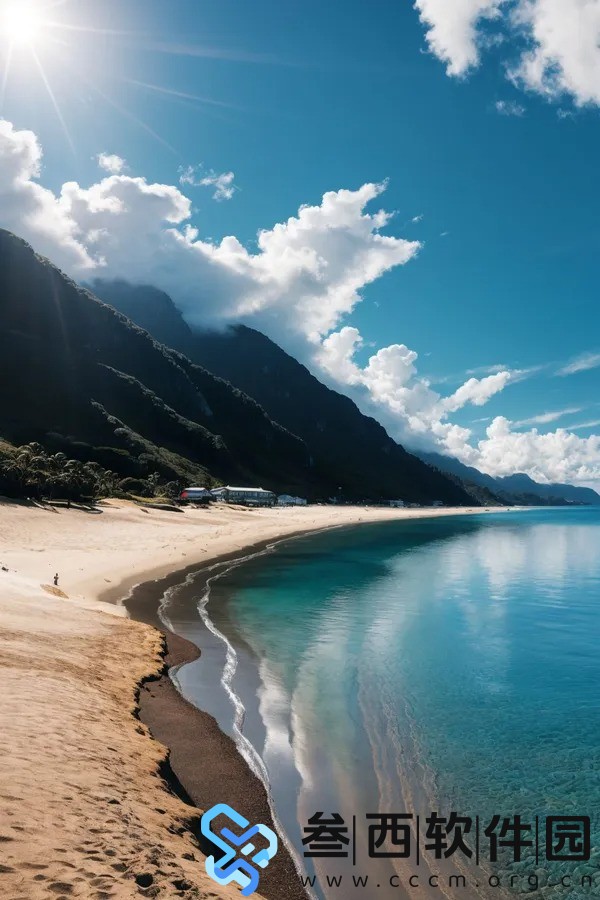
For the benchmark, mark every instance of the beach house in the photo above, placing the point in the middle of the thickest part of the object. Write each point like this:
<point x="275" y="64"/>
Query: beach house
<point x="247" y="496"/>
<point x="288" y="500"/>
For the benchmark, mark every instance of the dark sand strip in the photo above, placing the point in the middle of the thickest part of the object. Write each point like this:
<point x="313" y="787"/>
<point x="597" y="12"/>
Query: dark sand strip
<point x="204" y="761"/>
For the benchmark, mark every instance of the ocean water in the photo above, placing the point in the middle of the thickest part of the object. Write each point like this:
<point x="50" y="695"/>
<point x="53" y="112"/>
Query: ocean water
<point x="439" y="665"/>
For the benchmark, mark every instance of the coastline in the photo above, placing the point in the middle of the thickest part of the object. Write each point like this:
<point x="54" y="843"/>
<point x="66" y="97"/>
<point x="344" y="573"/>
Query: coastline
<point x="97" y="659"/>
<point x="184" y="727"/>
<point x="204" y="761"/>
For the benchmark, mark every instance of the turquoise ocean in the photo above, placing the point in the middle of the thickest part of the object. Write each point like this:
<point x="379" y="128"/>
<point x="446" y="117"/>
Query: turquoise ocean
<point x="440" y="665"/>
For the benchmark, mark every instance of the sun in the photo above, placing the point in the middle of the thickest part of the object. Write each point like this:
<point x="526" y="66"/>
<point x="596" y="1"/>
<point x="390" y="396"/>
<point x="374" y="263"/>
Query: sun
<point x="21" y="22"/>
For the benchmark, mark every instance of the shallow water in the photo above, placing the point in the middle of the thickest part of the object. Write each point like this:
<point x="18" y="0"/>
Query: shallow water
<point x="434" y="665"/>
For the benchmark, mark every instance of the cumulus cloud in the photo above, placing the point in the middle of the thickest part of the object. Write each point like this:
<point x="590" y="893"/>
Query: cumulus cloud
<point x="557" y="41"/>
<point x="31" y="210"/>
<point x="557" y="456"/>
<point x="223" y="183"/>
<point x="390" y="386"/>
<point x="581" y="363"/>
<point x="477" y="391"/>
<point x="565" y="53"/>
<point x="112" y="163"/>
<point x="299" y="284"/>
<point x="453" y="29"/>
<point x="304" y="276"/>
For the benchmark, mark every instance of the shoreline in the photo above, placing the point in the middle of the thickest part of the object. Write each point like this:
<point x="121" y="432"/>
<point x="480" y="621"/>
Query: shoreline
<point x="191" y="733"/>
<point x="348" y="518"/>
<point x="183" y="727"/>
<point x="81" y="669"/>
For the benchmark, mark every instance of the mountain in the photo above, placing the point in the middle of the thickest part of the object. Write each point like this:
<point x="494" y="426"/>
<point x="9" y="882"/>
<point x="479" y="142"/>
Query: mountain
<point x="80" y="378"/>
<point x="518" y="488"/>
<point x="350" y="452"/>
<point x="523" y="484"/>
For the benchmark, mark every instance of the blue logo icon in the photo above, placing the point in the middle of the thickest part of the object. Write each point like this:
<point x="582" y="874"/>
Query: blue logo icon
<point x="240" y="856"/>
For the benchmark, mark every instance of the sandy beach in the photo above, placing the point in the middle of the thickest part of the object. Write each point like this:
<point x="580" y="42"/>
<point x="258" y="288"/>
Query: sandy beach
<point x="87" y="807"/>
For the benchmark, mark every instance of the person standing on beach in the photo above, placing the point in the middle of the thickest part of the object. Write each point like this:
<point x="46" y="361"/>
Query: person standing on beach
<point x="56" y="580"/>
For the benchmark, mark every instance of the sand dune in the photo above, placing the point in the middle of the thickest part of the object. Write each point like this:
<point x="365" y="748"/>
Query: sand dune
<point x="84" y="810"/>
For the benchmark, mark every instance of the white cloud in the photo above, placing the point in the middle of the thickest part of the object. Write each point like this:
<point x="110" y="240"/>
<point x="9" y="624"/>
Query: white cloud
<point x="112" y="163"/>
<point x="453" y="29"/>
<point x="593" y="424"/>
<point x="305" y="275"/>
<point x="516" y="374"/>
<point x="557" y="456"/>
<point x="565" y="56"/>
<point x="390" y="387"/>
<point x="31" y="210"/>
<point x="547" y="417"/>
<point x="487" y="370"/>
<point x="477" y="391"/>
<point x="223" y="184"/>
<point x="581" y="363"/>
<point x="303" y="279"/>
<point x="416" y="219"/>
<point x="554" y="46"/>
<point x="510" y="108"/>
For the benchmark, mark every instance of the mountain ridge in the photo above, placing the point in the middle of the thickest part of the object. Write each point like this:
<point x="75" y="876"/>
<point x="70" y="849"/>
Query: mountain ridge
<point x="518" y="488"/>
<point x="81" y="378"/>
<point x="157" y="312"/>
<point x="349" y="450"/>
<point x="93" y="384"/>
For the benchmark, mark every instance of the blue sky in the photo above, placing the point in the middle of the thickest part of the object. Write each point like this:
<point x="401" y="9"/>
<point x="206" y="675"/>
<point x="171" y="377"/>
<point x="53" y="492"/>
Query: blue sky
<point x="489" y="164"/>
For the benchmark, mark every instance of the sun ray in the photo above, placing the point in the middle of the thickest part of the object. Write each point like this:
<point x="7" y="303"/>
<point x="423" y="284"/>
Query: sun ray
<point x="215" y="109"/>
<point x="53" y="100"/>
<point x="137" y="121"/>
<point x="132" y="118"/>
<point x="5" y="75"/>
<point x="180" y="94"/>
<point x="205" y="51"/>
<point x="58" y="41"/>
<point x="65" y="26"/>
<point x="32" y="27"/>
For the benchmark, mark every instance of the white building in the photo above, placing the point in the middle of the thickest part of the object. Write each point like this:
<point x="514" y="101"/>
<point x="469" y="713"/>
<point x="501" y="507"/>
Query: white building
<point x="397" y="504"/>
<point x="248" y="496"/>
<point x="288" y="500"/>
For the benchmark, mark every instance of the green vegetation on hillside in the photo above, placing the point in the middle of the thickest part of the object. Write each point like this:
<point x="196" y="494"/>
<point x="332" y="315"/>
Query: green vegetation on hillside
<point x="80" y="379"/>
<point x="352" y="455"/>
<point x="31" y="472"/>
